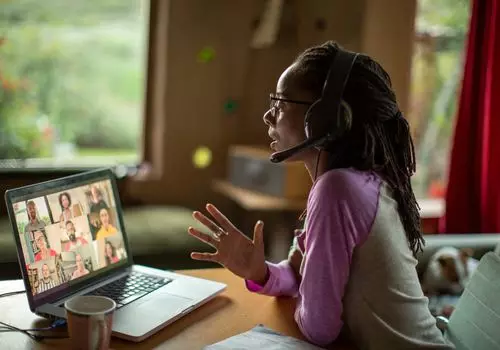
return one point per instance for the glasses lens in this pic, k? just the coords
(272, 104)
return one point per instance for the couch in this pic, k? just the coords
(157, 237)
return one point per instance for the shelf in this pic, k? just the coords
(251, 200)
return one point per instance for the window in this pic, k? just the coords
(440, 37)
(72, 81)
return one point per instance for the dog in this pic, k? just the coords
(448, 271)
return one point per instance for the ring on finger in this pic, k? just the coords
(220, 232)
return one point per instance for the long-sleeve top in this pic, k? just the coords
(357, 269)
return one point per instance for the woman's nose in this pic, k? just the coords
(268, 117)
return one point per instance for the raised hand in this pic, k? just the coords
(234, 250)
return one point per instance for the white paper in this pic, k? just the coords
(11, 286)
(261, 337)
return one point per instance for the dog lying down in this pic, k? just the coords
(448, 271)
(445, 278)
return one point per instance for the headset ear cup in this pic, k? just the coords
(309, 120)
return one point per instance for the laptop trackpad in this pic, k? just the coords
(157, 302)
(149, 312)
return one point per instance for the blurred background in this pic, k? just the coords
(171, 93)
(73, 83)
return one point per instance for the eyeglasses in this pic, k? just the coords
(273, 102)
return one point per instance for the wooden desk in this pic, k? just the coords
(235, 311)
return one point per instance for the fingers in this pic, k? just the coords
(296, 255)
(212, 226)
(258, 234)
(204, 256)
(203, 237)
(221, 218)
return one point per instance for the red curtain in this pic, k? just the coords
(473, 194)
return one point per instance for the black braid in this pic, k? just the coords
(379, 139)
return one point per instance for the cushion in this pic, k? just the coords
(160, 230)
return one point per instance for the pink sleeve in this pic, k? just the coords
(341, 210)
(281, 281)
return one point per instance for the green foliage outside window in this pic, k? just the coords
(71, 72)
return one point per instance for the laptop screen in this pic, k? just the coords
(69, 234)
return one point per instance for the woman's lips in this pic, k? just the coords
(274, 141)
(272, 135)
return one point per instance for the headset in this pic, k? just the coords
(330, 116)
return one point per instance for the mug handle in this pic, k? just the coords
(99, 336)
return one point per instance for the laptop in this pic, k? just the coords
(71, 240)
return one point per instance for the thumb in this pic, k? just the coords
(258, 234)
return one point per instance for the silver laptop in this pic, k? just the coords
(71, 240)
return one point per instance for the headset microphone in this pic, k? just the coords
(278, 157)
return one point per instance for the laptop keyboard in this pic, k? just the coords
(130, 288)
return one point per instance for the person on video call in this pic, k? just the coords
(352, 267)
(65, 204)
(107, 229)
(34, 223)
(33, 278)
(74, 241)
(46, 282)
(44, 252)
(60, 269)
(97, 201)
(110, 253)
(80, 267)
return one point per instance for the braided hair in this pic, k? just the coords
(379, 139)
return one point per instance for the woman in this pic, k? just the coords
(352, 268)
(97, 201)
(44, 253)
(65, 204)
(110, 253)
(81, 270)
(107, 229)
